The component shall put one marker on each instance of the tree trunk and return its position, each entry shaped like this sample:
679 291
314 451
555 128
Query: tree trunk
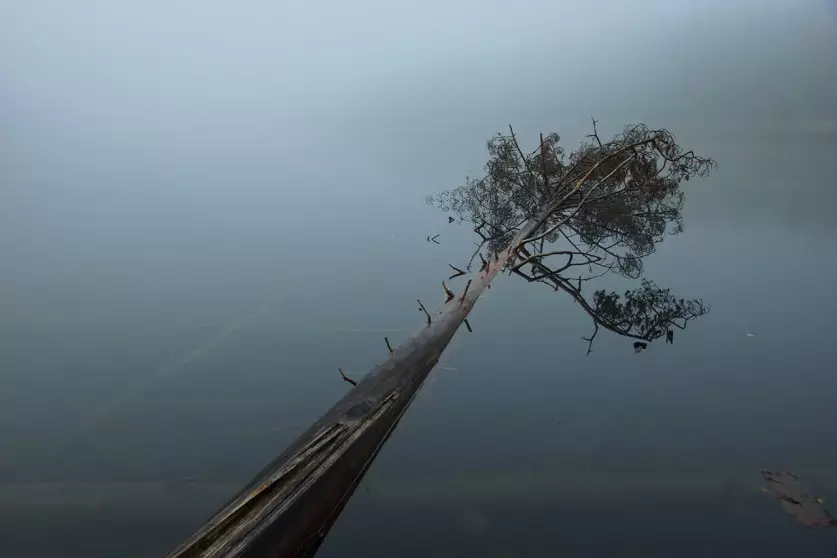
289 507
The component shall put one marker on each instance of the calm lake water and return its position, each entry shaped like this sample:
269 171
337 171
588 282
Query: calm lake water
204 213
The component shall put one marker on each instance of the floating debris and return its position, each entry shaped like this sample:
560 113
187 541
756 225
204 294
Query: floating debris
750 334
796 499
639 346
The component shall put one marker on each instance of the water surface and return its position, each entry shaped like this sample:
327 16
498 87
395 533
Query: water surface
205 212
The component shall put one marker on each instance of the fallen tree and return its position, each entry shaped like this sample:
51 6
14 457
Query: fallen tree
608 203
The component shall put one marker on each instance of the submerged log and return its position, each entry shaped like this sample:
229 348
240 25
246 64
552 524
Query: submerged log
289 507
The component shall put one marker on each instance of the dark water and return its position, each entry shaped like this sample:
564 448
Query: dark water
199 225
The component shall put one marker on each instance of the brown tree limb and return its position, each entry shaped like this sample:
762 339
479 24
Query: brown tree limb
346 378
458 273
426 313
448 293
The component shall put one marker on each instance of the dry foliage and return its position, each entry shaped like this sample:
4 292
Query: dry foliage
601 209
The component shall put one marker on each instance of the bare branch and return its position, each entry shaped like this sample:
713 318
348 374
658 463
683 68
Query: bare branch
426 313
592 337
458 273
474 255
595 134
608 205
577 207
346 378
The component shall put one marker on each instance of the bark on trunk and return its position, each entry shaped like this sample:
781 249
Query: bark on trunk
289 507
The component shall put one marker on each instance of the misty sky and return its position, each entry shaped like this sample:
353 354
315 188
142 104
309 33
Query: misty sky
140 139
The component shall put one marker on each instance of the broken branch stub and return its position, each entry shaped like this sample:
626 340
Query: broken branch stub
426 313
346 378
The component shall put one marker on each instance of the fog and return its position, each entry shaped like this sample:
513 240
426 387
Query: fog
207 207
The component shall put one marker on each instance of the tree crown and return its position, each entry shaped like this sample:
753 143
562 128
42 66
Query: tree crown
608 204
